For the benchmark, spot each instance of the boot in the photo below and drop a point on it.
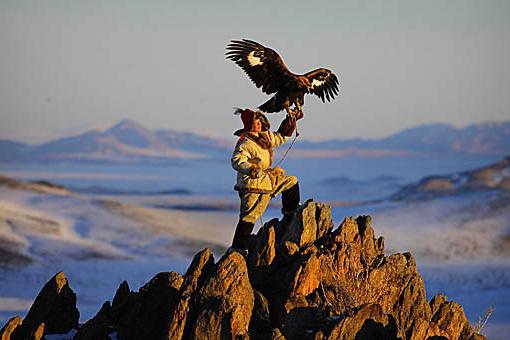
(290, 203)
(242, 235)
(290, 199)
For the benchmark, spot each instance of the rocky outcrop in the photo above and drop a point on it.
(10, 327)
(309, 281)
(53, 312)
(495, 176)
(224, 303)
(99, 327)
(183, 315)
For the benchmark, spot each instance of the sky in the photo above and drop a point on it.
(69, 66)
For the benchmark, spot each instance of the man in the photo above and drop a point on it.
(257, 182)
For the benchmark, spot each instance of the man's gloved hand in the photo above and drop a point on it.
(287, 126)
(278, 171)
(256, 173)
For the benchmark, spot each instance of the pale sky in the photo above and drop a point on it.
(67, 66)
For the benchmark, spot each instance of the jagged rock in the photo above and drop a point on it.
(39, 332)
(53, 311)
(98, 327)
(357, 273)
(277, 335)
(125, 305)
(260, 323)
(303, 320)
(371, 248)
(312, 221)
(307, 277)
(369, 322)
(339, 273)
(423, 329)
(262, 253)
(411, 304)
(436, 302)
(10, 327)
(151, 308)
(120, 302)
(200, 267)
(305, 282)
(291, 248)
(286, 252)
(225, 302)
(451, 318)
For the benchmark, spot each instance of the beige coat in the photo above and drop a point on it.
(249, 154)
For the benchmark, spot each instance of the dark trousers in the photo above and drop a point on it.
(290, 202)
(290, 199)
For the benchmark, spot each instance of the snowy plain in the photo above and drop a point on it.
(98, 243)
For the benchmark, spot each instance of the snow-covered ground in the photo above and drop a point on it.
(467, 227)
(461, 244)
(41, 227)
(97, 242)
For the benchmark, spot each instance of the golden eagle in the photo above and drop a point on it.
(267, 70)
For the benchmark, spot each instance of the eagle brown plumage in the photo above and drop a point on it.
(268, 71)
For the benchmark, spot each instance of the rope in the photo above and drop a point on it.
(280, 162)
(288, 149)
(260, 220)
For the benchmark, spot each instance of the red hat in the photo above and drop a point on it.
(248, 116)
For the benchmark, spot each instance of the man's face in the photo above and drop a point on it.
(257, 126)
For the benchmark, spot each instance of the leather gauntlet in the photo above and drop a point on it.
(287, 126)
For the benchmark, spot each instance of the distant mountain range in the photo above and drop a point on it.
(125, 141)
(129, 141)
(491, 138)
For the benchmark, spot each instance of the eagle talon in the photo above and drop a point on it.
(289, 111)
(300, 114)
(297, 112)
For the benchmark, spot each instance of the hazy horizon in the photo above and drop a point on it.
(68, 67)
(213, 135)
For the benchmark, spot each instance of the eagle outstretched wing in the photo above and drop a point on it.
(323, 83)
(262, 65)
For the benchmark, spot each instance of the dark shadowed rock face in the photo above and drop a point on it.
(183, 316)
(53, 311)
(367, 322)
(147, 312)
(98, 327)
(309, 281)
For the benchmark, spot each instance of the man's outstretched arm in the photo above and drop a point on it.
(286, 129)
